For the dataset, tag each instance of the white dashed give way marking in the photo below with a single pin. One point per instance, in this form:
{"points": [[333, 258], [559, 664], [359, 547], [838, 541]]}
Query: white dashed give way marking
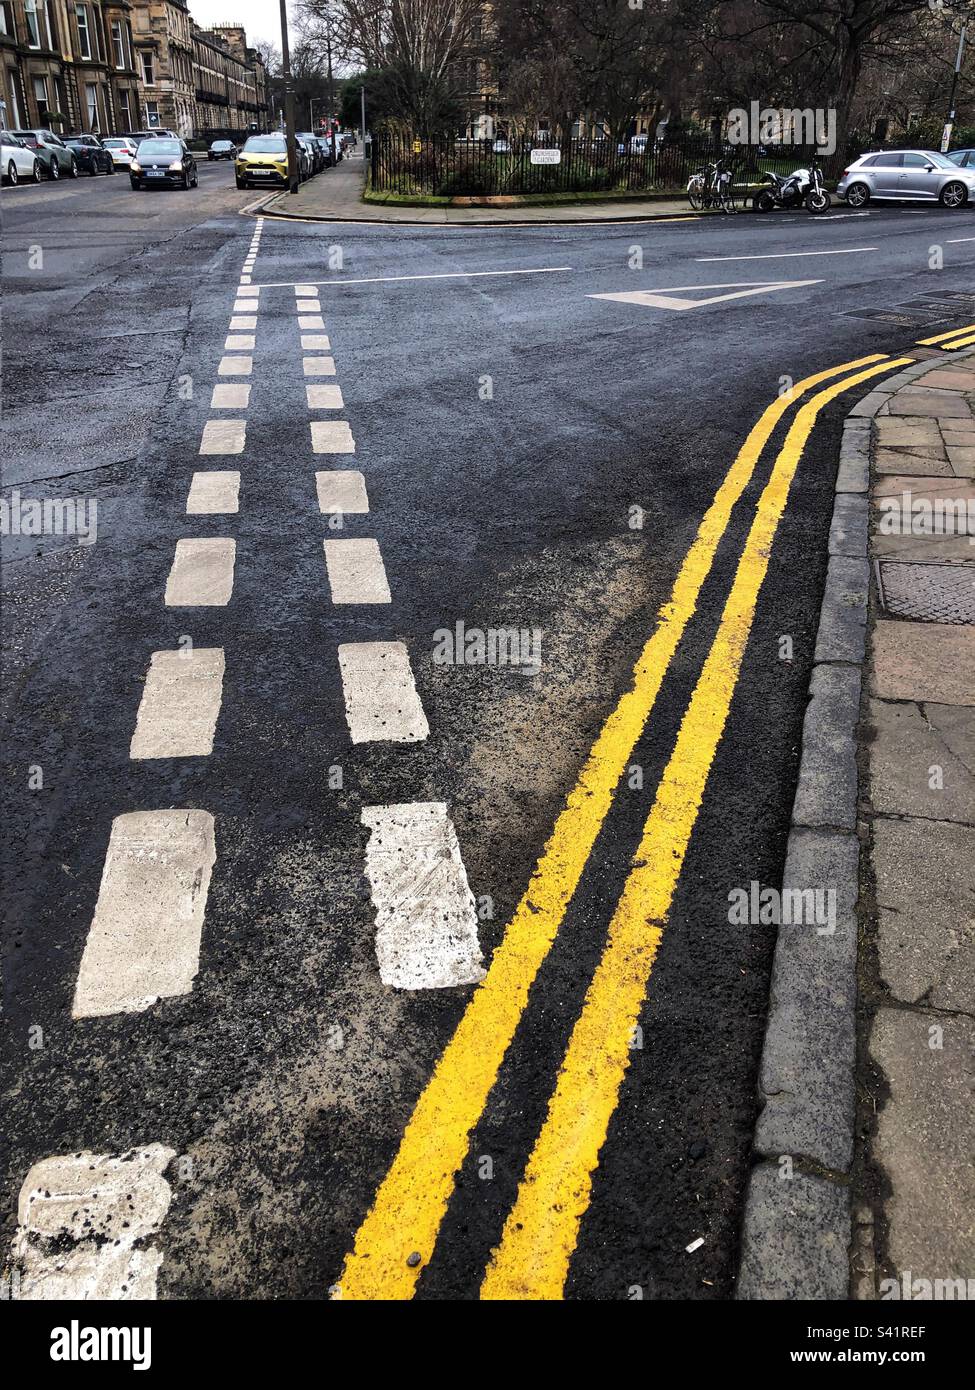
{"points": [[180, 704], [144, 940], [202, 575], [324, 397], [426, 918], [332, 437], [356, 573], [381, 702], [223, 437], [213, 493], [343, 490], [668, 299], [80, 1217]]}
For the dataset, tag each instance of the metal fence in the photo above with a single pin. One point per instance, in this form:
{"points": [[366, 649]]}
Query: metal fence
{"points": [[442, 166]]}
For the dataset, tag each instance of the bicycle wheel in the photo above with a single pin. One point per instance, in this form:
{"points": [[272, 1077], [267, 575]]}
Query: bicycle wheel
{"points": [[695, 192]]}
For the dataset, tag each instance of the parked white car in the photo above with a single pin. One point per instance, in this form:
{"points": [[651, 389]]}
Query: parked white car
{"points": [[121, 149], [17, 161]]}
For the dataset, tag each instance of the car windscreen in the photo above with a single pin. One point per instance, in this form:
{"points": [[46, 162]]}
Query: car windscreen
{"points": [[221, 145], [115, 144], [267, 145], [941, 161], [170, 147]]}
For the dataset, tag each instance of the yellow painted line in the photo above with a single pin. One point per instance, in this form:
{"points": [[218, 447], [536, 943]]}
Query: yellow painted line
{"points": [[958, 343], [410, 1204], [941, 337], [532, 1259]]}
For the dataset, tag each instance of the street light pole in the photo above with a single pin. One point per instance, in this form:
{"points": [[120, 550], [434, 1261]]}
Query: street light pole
{"points": [[949, 124], [362, 118], [289, 102]]}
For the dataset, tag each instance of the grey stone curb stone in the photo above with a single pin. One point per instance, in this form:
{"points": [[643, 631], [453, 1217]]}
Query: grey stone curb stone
{"points": [[797, 1231]]}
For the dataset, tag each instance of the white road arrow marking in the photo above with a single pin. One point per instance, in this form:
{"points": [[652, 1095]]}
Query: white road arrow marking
{"points": [[667, 299]]}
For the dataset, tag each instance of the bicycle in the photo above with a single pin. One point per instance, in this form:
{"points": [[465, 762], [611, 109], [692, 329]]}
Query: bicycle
{"points": [[713, 187]]}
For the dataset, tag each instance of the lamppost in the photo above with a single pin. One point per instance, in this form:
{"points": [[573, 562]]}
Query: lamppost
{"points": [[949, 124], [289, 102]]}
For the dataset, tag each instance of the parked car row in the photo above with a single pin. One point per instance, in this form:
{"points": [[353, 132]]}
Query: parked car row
{"points": [[32, 155], [263, 160]]}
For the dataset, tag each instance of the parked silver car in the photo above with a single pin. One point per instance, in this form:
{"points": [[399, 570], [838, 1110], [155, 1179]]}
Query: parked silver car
{"points": [[921, 176]]}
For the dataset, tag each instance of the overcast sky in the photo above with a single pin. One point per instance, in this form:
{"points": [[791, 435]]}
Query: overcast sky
{"points": [[261, 18]]}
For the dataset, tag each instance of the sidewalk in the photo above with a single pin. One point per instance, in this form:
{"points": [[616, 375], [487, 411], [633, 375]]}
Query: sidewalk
{"points": [[336, 196], [867, 1067]]}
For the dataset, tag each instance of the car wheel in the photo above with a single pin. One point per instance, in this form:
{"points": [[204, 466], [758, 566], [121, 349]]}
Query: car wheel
{"points": [[37, 173], [12, 172], [196, 179], [73, 170], [54, 170], [858, 195], [135, 184], [953, 195], [111, 167], [186, 182]]}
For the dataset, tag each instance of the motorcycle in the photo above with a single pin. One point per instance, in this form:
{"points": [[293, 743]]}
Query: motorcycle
{"points": [[801, 188]]}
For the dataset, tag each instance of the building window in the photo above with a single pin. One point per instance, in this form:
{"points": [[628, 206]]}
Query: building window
{"points": [[33, 29], [152, 114], [118, 47], [6, 19], [124, 111], [84, 38], [40, 96], [18, 119], [147, 75]]}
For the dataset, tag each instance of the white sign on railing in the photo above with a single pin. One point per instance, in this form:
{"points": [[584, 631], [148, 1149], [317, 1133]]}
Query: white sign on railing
{"points": [[546, 156]]}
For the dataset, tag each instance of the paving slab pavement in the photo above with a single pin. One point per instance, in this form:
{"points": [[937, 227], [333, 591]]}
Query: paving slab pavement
{"points": [[863, 1203]]}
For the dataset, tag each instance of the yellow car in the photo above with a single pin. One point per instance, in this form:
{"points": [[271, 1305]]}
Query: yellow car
{"points": [[263, 160]]}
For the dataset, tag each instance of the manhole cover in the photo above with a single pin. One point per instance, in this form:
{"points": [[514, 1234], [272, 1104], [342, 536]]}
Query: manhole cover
{"points": [[930, 593]]}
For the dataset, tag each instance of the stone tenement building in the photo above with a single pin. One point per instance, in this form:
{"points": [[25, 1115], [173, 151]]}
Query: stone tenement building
{"points": [[115, 65]]}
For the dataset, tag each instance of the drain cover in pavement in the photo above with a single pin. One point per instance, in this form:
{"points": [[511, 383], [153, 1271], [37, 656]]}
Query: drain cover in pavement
{"points": [[930, 593]]}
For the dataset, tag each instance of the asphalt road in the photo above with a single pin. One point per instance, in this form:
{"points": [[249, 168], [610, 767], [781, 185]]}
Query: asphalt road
{"points": [[507, 424]]}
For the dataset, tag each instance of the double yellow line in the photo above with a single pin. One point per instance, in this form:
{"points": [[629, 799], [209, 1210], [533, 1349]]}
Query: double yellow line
{"points": [[948, 342], [397, 1237]]}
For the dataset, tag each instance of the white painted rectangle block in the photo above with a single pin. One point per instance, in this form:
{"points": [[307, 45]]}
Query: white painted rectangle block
{"points": [[79, 1218], [306, 291], [315, 342], [180, 704], [144, 940], [244, 306], [223, 437], [239, 342], [308, 306], [245, 280], [426, 916], [235, 366], [252, 293], [202, 575], [356, 573], [244, 321], [324, 397], [381, 701], [311, 322], [318, 366], [214, 493], [230, 396], [332, 437], [341, 490]]}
